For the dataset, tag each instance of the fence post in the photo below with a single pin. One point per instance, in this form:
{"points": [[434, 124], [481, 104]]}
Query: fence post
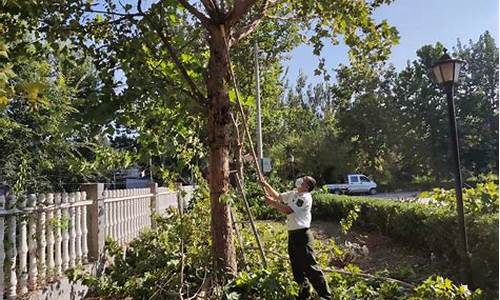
{"points": [[22, 247], [11, 251], [95, 219], [154, 206]]}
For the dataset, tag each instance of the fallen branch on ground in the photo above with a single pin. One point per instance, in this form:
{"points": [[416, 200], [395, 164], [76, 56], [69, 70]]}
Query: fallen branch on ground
{"points": [[364, 275], [369, 276]]}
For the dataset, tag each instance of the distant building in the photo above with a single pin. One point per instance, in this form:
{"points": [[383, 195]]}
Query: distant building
{"points": [[131, 178]]}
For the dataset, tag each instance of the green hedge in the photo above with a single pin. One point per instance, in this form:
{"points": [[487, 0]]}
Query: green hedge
{"points": [[424, 227]]}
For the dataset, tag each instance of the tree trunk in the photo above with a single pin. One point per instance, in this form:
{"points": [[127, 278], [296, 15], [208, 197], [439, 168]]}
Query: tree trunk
{"points": [[219, 121]]}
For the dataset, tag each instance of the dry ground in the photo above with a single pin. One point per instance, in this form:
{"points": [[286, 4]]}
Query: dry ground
{"points": [[385, 255]]}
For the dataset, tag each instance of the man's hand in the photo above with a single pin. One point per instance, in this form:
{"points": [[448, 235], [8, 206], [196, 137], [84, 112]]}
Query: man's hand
{"points": [[262, 181], [268, 189], [269, 200]]}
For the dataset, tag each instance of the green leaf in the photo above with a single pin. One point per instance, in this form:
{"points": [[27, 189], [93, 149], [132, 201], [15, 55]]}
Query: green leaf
{"points": [[4, 50], [249, 101], [232, 95], [185, 57], [3, 101]]}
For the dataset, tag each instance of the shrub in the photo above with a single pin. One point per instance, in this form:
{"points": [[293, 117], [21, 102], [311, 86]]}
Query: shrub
{"points": [[423, 226], [150, 267], [437, 287], [481, 199]]}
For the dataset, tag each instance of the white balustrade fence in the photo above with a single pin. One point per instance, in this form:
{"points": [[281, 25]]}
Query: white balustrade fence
{"points": [[43, 235], [34, 239], [127, 212]]}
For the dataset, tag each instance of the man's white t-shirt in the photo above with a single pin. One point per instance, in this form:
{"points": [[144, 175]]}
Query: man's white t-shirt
{"points": [[301, 204]]}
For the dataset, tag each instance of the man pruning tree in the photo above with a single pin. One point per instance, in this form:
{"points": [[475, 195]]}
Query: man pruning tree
{"points": [[297, 207]]}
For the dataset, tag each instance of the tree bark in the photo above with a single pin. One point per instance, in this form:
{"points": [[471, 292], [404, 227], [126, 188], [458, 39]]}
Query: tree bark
{"points": [[219, 121]]}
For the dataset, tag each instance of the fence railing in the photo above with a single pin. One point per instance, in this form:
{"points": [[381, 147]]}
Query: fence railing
{"points": [[43, 235], [127, 213]]}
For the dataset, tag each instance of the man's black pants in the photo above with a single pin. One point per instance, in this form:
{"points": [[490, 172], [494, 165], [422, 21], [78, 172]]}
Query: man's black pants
{"points": [[304, 265]]}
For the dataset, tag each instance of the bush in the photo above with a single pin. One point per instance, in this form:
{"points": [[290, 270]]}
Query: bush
{"points": [[151, 267], [426, 182], [482, 199], [437, 287], [423, 226]]}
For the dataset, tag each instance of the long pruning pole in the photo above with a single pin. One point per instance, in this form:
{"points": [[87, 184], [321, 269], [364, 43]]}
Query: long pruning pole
{"points": [[252, 222], [255, 159], [237, 93], [257, 102]]}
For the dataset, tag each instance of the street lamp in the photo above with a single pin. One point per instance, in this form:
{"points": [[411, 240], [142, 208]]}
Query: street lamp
{"points": [[447, 71]]}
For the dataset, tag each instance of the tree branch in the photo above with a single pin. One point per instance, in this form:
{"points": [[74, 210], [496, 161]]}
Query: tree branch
{"points": [[166, 39], [167, 42], [219, 9], [293, 18], [115, 21], [195, 92], [195, 296], [369, 276], [240, 8], [139, 6], [245, 31], [180, 88], [209, 6], [114, 13], [205, 21], [212, 10], [252, 25], [214, 3], [222, 6]]}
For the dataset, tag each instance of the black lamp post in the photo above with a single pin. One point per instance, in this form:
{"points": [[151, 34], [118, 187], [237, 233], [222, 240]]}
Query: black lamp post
{"points": [[447, 71]]}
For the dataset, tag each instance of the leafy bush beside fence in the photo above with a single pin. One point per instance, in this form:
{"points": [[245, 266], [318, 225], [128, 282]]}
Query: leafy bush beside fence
{"points": [[173, 260], [425, 227]]}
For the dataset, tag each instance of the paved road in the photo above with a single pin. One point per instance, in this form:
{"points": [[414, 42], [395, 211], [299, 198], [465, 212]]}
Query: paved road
{"points": [[397, 196]]}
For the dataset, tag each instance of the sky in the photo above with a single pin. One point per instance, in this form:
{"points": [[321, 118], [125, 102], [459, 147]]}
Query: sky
{"points": [[419, 22]]}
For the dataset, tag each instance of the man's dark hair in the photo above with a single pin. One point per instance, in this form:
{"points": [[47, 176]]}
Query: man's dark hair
{"points": [[311, 183]]}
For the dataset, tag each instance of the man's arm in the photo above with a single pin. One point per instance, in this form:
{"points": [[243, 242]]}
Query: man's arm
{"points": [[269, 190], [282, 208]]}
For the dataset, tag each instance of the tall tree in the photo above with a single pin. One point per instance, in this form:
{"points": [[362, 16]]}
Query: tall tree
{"points": [[49, 135], [477, 102], [394, 125], [191, 42]]}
